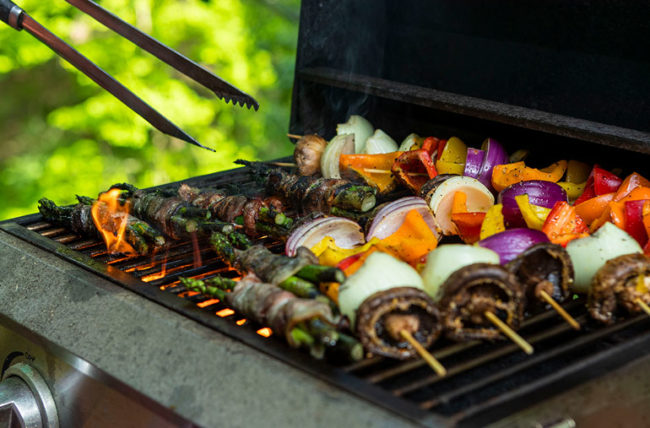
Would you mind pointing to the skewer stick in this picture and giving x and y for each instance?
(294, 136)
(388, 171)
(560, 310)
(643, 305)
(426, 355)
(505, 329)
(288, 164)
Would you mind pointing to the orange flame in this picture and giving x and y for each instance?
(111, 219)
(157, 275)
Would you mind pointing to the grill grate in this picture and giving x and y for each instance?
(483, 378)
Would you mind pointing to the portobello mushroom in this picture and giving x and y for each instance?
(475, 289)
(383, 315)
(546, 267)
(620, 282)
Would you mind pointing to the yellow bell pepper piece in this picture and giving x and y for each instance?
(577, 172)
(453, 157)
(511, 173)
(533, 215)
(573, 190)
(493, 221)
(330, 254)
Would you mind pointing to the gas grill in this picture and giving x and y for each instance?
(119, 339)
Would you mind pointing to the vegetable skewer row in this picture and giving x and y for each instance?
(255, 214)
(309, 194)
(140, 235)
(174, 216)
(302, 322)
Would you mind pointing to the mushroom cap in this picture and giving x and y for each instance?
(371, 318)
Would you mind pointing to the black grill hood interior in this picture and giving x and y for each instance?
(529, 72)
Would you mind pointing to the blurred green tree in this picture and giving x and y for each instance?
(61, 135)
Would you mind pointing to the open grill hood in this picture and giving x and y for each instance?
(562, 80)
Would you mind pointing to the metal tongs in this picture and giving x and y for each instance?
(13, 15)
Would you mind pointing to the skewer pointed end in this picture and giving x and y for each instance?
(509, 332)
(426, 355)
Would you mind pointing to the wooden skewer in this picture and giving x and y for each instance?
(505, 328)
(426, 355)
(294, 136)
(289, 164)
(388, 171)
(560, 310)
(643, 305)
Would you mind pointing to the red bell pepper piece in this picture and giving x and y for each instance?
(634, 221)
(414, 168)
(605, 181)
(563, 225)
(441, 147)
(431, 144)
(469, 225)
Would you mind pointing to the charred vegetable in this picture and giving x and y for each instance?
(543, 267)
(384, 315)
(472, 291)
(307, 154)
(620, 283)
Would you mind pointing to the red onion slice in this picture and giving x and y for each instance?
(540, 193)
(389, 218)
(495, 155)
(510, 243)
(473, 162)
(345, 232)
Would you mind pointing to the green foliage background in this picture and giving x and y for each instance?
(61, 135)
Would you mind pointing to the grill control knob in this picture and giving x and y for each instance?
(25, 399)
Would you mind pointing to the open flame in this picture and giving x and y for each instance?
(111, 219)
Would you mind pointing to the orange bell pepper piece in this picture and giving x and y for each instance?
(630, 183)
(511, 173)
(469, 225)
(593, 208)
(412, 241)
(459, 204)
(563, 225)
(374, 169)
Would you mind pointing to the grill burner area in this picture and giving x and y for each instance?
(485, 380)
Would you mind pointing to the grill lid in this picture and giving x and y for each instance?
(576, 69)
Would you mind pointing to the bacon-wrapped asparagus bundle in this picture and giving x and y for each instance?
(273, 268)
(256, 214)
(174, 216)
(139, 234)
(309, 194)
(302, 322)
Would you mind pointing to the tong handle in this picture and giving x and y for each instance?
(11, 14)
